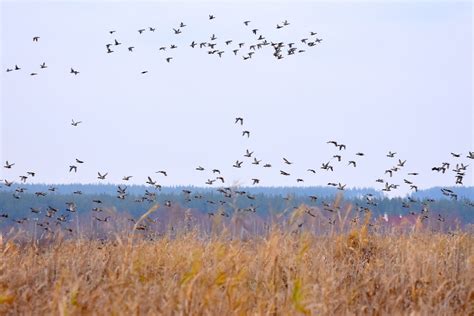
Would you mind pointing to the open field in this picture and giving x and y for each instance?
(281, 273)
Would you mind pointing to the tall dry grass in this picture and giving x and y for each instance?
(280, 273)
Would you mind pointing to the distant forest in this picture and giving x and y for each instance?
(260, 200)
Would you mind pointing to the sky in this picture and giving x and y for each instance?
(388, 76)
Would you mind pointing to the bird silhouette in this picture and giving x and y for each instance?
(74, 123)
(287, 161)
(248, 153)
(8, 165)
(75, 72)
(246, 133)
(101, 176)
(238, 164)
(36, 39)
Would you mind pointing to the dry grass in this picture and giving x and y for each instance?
(279, 274)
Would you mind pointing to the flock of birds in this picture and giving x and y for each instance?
(211, 45)
(229, 193)
(280, 50)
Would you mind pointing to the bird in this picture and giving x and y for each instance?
(471, 155)
(353, 163)
(79, 161)
(168, 59)
(246, 133)
(8, 165)
(256, 161)
(401, 163)
(238, 164)
(391, 154)
(248, 153)
(33, 74)
(116, 43)
(311, 170)
(239, 119)
(177, 31)
(287, 161)
(456, 155)
(152, 29)
(74, 123)
(211, 17)
(200, 168)
(359, 154)
(267, 165)
(75, 72)
(299, 180)
(284, 173)
(36, 39)
(255, 181)
(246, 23)
(17, 68)
(162, 172)
(144, 72)
(141, 31)
(130, 49)
(101, 176)
(43, 65)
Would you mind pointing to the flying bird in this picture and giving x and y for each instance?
(74, 123)
(8, 165)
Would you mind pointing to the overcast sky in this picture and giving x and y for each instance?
(392, 76)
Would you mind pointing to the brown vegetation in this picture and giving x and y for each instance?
(281, 273)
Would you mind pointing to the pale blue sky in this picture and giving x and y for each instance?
(387, 76)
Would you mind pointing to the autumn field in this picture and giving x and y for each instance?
(281, 272)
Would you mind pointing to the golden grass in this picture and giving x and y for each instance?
(278, 274)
